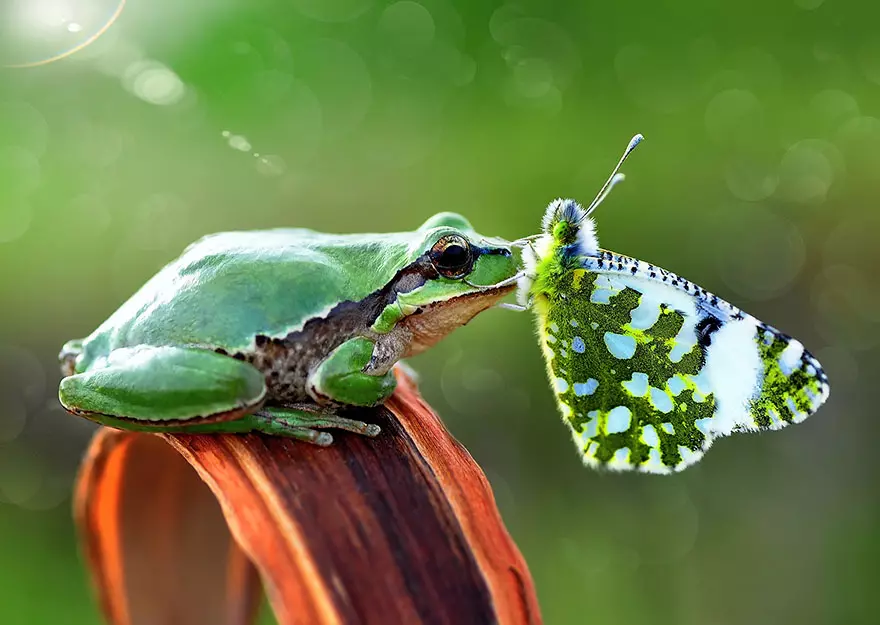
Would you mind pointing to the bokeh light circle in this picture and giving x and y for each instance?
(38, 32)
(407, 25)
(807, 170)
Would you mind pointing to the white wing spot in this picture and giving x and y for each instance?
(561, 385)
(620, 458)
(734, 372)
(591, 428)
(684, 342)
(586, 388)
(705, 426)
(790, 358)
(620, 345)
(638, 385)
(661, 400)
(605, 287)
(654, 464)
(688, 456)
(577, 345)
(776, 423)
(668, 428)
(646, 314)
(649, 436)
(675, 384)
(619, 419)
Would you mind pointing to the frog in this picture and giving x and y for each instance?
(282, 331)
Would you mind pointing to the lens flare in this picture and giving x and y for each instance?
(39, 32)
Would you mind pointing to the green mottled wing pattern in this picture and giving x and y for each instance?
(649, 369)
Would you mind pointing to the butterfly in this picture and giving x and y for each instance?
(649, 368)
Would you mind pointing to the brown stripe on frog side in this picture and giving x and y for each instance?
(287, 361)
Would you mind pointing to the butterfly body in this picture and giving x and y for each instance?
(649, 368)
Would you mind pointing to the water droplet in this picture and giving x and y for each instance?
(153, 82)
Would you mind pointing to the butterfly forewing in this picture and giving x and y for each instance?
(649, 368)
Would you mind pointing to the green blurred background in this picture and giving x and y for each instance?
(757, 179)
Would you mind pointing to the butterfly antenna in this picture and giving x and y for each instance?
(615, 176)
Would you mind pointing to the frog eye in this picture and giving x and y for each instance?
(452, 256)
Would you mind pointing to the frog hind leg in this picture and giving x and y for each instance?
(166, 389)
(305, 420)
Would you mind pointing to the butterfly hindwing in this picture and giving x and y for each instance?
(649, 368)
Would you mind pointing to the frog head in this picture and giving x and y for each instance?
(453, 274)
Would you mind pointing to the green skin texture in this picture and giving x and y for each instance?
(154, 365)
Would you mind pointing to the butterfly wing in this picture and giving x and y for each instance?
(649, 368)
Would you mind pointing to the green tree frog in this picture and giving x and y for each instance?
(278, 331)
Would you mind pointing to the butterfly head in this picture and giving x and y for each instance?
(567, 231)
(567, 225)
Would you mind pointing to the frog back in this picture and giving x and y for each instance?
(227, 288)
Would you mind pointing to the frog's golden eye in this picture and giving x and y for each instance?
(452, 256)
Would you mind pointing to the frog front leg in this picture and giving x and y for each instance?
(341, 378)
(350, 375)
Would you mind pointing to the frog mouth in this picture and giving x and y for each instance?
(431, 322)
(507, 282)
